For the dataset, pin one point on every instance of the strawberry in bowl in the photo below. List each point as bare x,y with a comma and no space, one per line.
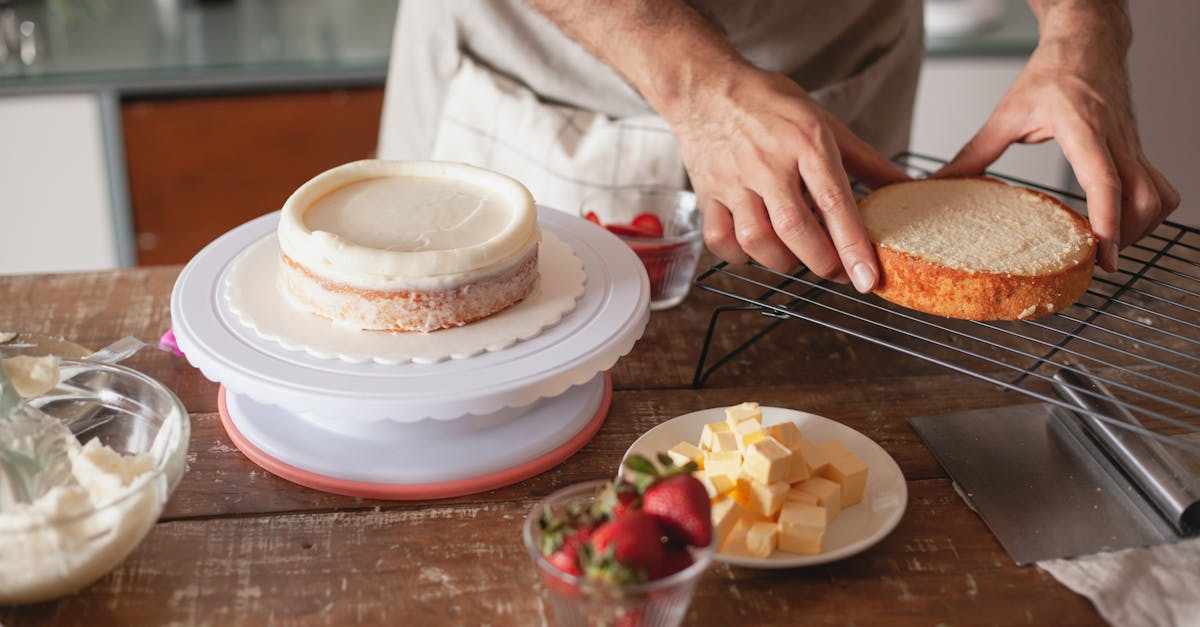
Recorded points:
623,552
663,229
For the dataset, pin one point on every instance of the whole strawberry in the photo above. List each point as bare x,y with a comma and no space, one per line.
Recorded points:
628,549
680,505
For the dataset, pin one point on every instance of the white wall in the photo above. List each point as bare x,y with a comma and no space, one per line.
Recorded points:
1164,66
956,95
55,208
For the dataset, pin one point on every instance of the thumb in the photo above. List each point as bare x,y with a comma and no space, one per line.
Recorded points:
982,151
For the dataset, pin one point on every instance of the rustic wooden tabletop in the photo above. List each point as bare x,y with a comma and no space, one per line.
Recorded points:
239,546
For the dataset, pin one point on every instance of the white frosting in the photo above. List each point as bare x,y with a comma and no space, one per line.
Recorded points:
77,531
393,224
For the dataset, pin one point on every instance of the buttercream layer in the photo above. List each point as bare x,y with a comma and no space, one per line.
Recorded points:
390,224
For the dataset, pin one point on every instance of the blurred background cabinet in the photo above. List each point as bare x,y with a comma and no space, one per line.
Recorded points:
198,166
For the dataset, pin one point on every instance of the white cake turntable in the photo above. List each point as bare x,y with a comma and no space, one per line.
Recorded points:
414,430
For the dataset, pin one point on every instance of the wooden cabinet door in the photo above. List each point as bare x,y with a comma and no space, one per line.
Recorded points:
199,166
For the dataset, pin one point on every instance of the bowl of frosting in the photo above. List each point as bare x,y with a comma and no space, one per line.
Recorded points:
89,454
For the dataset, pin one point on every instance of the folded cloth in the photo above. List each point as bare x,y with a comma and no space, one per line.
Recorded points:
1146,587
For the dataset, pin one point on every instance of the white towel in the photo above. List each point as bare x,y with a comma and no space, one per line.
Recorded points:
1157,586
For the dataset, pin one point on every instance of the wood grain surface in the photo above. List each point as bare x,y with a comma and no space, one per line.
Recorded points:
239,546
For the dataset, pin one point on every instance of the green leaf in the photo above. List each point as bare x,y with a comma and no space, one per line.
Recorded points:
640,464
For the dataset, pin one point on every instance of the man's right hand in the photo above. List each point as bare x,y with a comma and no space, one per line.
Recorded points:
769,167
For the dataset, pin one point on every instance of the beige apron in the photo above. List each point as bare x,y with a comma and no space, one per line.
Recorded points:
493,83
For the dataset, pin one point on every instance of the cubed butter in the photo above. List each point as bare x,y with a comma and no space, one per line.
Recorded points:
766,461
747,432
725,514
787,433
685,452
744,411
709,433
714,484
814,459
797,467
766,499
724,442
801,528
796,495
722,463
762,538
828,493
847,470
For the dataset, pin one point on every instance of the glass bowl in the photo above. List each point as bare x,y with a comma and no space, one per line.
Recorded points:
71,541
578,601
671,258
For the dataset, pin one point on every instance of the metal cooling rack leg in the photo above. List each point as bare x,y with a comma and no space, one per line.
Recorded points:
701,374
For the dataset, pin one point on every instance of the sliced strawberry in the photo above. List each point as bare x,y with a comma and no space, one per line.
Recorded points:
592,217
627,549
626,230
566,559
680,505
649,223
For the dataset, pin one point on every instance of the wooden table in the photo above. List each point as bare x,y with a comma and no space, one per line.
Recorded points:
239,546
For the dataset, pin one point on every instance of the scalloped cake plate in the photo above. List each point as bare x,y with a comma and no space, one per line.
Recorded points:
253,293
855,530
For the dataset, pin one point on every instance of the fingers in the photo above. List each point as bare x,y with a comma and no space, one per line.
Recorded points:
1097,175
718,232
981,151
1141,203
829,189
1167,194
756,233
862,160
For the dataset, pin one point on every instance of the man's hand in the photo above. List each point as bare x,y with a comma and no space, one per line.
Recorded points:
1074,89
769,165
770,169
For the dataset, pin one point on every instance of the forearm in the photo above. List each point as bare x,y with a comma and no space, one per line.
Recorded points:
664,48
1097,29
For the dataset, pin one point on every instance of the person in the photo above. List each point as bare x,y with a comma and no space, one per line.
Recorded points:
768,108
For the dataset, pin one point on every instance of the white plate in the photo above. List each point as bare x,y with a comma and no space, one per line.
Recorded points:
855,530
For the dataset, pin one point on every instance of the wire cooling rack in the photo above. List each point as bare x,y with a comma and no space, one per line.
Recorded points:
1134,337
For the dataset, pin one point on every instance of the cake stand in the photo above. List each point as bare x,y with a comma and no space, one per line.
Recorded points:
415,431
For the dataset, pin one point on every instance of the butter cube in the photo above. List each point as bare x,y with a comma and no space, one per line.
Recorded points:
787,433
797,467
709,434
724,442
747,432
796,495
685,452
743,487
723,463
801,528
766,461
744,411
714,484
766,499
847,470
828,493
762,538
725,514
814,459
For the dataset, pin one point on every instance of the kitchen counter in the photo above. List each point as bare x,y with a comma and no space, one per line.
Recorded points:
239,546
171,47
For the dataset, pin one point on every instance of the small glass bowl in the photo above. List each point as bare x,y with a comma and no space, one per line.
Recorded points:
131,413
579,601
670,260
